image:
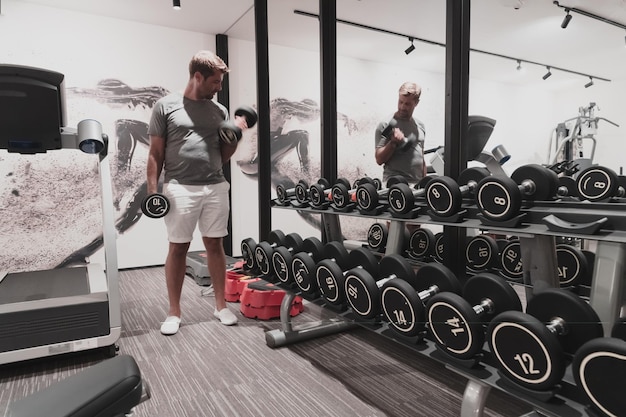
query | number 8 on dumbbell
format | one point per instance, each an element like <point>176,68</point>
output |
<point>500,198</point>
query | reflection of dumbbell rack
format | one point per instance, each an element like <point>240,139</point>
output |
<point>604,222</point>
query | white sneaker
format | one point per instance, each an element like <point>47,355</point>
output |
<point>170,325</point>
<point>225,316</point>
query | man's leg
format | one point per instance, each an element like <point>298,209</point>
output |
<point>216,262</point>
<point>175,267</point>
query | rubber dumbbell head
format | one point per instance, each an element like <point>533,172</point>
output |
<point>404,303</point>
<point>598,367</point>
<point>282,258</point>
<point>229,132</point>
<point>444,196</point>
<point>456,323</point>
<point>362,289</point>
<point>303,266</point>
<point>155,205</point>
<point>421,244</point>
<point>481,253</point>
<point>264,251</point>
<point>320,192</point>
<point>512,267</point>
<point>572,265</point>
<point>598,183</point>
<point>368,196</point>
<point>530,348</point>
<point>377,237</point>
<point>500,198</point>
<point>401,197</point>
<point>343,195</point>
<point>330,276</point>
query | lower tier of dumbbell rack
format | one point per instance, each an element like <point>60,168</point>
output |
<point>567,402</point>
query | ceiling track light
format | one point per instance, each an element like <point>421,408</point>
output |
<point>431,42</point>
<point>566,19</point>
<point>411,47</point>
<point>590,83</point>
<point>547,74</point>
<point>176,4</point>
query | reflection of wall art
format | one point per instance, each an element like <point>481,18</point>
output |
<point>295,145</point>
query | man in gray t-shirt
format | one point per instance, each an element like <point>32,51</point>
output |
<point>185,145</point>
<point>401,152</point>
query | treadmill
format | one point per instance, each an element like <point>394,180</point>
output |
<point>51,312</point>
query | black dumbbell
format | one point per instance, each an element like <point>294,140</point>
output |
<point>567,187</point>
<point>303,266</point>
<point>598,367</point>
<point>404,303</point>
<point>439,247</point>
<point>248,250</point>
<point>264,251</point>
<point>387,132</point>
<point>500,198</point>
<point>457,324</point>
<point>377,235</point>
<point>320,193</point>
<point>444,195</point>
<point>155,205</point>
<point>421,245</point>
<point>598,183</point>
<point>530,348</point>
<point>330,276</point>
<point>299,191</point>
<point>401,197</point>
<point>229,132</point>
<point>572,265</point>
<point>362,289</point>
<point>342,195</point>
<point>511,265</point>
<point>282,257</point>
<point>369,197</point>
<point>482,254</point>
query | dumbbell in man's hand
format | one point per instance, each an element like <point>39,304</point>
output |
<point>155,205</point>
<point>396,135</point>
<point>230,132</point>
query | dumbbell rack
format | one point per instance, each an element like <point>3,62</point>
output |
<point>537,226</point>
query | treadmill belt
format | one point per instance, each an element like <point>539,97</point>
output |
<point>39,285</point>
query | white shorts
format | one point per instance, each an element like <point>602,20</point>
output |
<point>206,206</point>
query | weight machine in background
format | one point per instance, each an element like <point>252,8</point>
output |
<point>50,312</point>
<point>574,140</point>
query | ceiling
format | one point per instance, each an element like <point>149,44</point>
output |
<point>529,30</point>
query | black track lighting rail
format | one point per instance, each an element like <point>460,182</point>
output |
<point>589,14</point>
<point>430,42</point>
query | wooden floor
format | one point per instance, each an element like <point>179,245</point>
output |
<point>208,369</point>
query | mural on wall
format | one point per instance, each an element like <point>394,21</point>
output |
<point>294,152</point>
<point>295,144</point>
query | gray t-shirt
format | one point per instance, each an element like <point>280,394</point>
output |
<point>192,145</point>
<point>408,162</point>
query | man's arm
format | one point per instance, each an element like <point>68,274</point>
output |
<point>156,156</point>
<point>383,153</point>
